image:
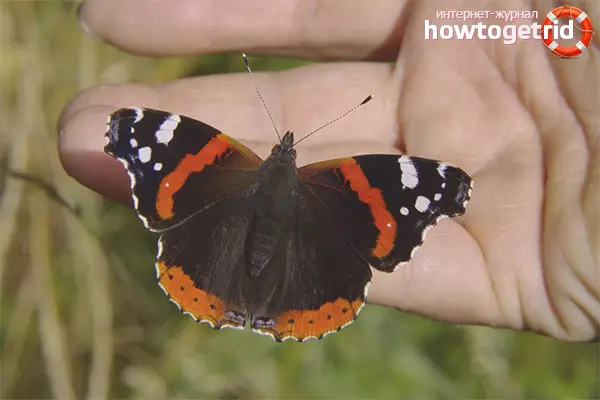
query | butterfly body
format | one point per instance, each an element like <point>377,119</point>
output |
<point>289,249</point>
<point>274,204</point>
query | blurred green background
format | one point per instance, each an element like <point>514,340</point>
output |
<point>82,316</point>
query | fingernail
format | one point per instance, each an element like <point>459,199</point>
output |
<point>81,153</point>
<point>81,20</point>
<point>84,130</point>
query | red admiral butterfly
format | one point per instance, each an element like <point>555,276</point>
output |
<point>291,248</point>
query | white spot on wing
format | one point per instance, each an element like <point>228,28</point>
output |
<point>144,154</point>
<point>166,129</point>
<point>160,248</point>
<point>157,166</point>
<point>133,196</point>
<point>410,177</point>
<point>163,136</point>
<point>404,211</point>
<point>441,169</point>
<point>133,143</point>
<point>422,204</point>
<point>437,196</point>
<point>139,114</point>
<point>156,265</point>
<point>366,294</point>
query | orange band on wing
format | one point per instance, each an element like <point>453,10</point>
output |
<point>202,305</point>
<point>191,163</point>
<point>300,324</point>
<point>383,219</point>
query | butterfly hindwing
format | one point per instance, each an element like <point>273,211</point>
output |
<point>385,204</point>
<point>177,165</point>
<point>324,283</point>
<point>201,263</point>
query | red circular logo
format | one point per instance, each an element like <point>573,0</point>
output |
<point>587,31</point>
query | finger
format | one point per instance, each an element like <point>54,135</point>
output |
<point>303,99</point>
<point>302,28</point>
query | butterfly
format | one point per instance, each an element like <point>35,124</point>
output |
<point>287,249</point>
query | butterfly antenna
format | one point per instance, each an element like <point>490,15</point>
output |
<point>247,64</point>
<point>362,103</point>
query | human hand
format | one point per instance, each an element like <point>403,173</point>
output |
<point>522,122</point>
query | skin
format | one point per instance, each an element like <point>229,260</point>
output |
<point>521,121</point>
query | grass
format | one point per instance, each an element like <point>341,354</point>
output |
<point>82,317</point>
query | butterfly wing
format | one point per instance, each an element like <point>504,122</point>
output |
<point>323,286</point>
<point>201,263</point>
<point>177,165</point>
<point>385,204</point>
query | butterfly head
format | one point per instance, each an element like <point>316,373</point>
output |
<point>285,151</point>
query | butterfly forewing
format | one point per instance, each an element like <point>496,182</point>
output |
<point>385,203</point>
<point>177,165</point>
